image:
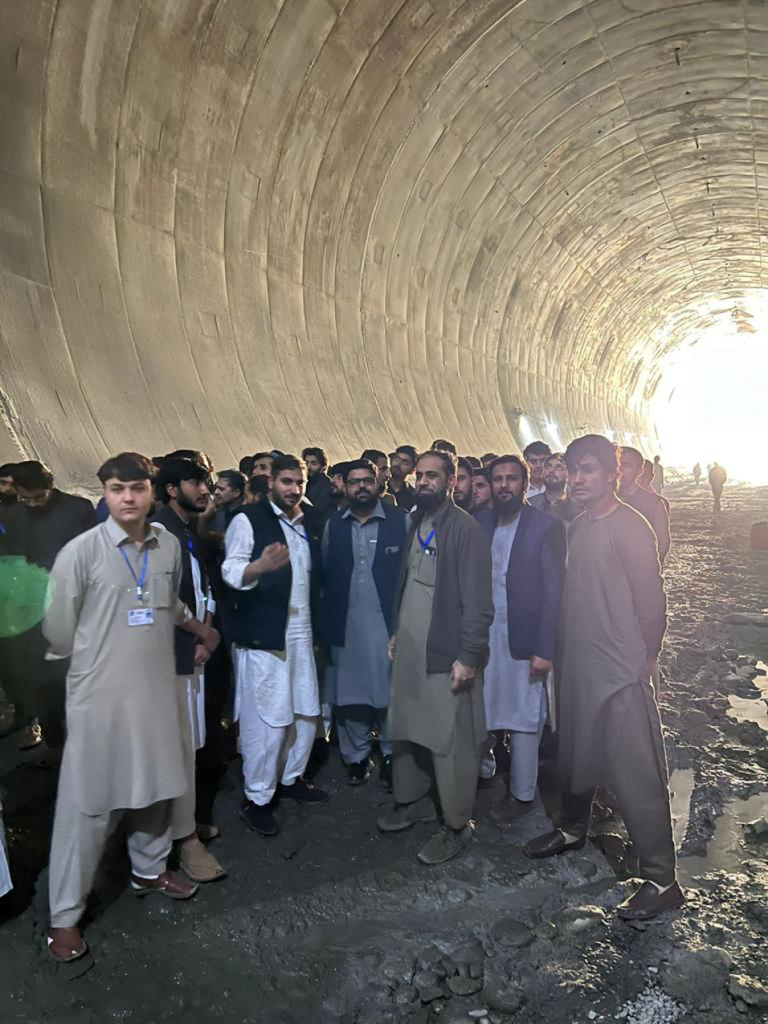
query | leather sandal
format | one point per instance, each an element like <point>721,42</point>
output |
<point>170,884</point>
<point>551,844</point>
<point>647,902</point>
<point>72,953</point>
<point>197,863</point>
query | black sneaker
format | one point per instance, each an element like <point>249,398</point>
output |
<point>385,774</point>
<point>259,818</point>
<point>358,772</point>
<point>302,791</point>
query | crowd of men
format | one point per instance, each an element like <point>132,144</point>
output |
<point>437,612</point>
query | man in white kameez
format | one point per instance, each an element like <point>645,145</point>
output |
<point>272,559</point>
<point>528,559</point>
<point>114,607</point>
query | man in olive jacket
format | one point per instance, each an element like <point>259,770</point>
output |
<point>443,612</point>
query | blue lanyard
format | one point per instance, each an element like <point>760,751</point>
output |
<point>425,543</point>
<point>298,533</point>
<point>138,580</point>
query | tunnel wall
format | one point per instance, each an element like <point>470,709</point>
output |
<point>236,224</point>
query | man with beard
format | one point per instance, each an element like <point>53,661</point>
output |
<point>37,527</point>
<point>402,462</point>
<point>647,503</point>
<point>555,499</point>
<point>114,606</point>
<point>384,473</point>
<point>338,490</point>
<point>481,490</point>
<point>536,454</point>
<point>183,492</point>
<point>273,562</point>
<point>443,611</point>
<point>610,732</point>
<point>362,551</point>
<point>528,565</point>
<point>318,482</point>
<point>462,492</point>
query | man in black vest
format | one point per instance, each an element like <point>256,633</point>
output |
<point>362,550</point>
<point>183,492</point>
<point>272,563</point>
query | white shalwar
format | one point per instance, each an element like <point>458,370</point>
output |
<point>5,872</point>
<point>276,692</point>
<point>513,701</point>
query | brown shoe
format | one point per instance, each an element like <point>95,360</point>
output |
<point>31,736</point>
<point>551,844</point>
<point>197,863</point>
<point>647,902</point>
<point>66,945</point>
<point>171,884</point>
<point>510,809</point>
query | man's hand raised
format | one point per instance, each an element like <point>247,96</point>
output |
<point>273,558</point>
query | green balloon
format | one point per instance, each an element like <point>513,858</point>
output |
<point>25,595</point>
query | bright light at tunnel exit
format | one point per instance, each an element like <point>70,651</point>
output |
<point>711,403</point>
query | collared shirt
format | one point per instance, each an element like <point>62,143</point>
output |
<point>365,537</point>
<point>238,543</point>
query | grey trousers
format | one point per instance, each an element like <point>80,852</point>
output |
<point>355,724</point>
<point>455,774</point>
<point>78,843</point>
<point>637,774</point>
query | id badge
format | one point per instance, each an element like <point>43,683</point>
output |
<point>141,617</point>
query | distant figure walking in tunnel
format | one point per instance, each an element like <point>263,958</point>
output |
<point>717,480</point>
<point>610,731</point>
<point>443,613</point>
<point>697,473</point>
<point>658,475</point>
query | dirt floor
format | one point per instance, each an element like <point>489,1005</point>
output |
<point>333,922</point>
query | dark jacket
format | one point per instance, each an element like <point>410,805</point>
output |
<point>190,543</point>
<point>535,577</point>
<point>338,567</point>
<point>259,616</point>
<point>319,493</point>
<point>462,608</point>
<point>39,534</point>
<point>405,497</point>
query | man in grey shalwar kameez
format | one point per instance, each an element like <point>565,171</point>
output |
<point>115,602</point>
<point>444,612</point>
<point>362,550</point>
<point>610,731</point>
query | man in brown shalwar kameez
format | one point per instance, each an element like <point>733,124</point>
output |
<point>443,611</point>
<point>610,731</point>
<point>114,607</point>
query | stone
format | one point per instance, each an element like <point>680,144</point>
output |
<point>545,930</point>
<point>464,986</point>
<point>749,990</point>
<point>405,995</point>
<point>580,920</point>
<point>510,932</point>
<point>430,993</point>
<point>697,977</point>
<point>505,997</point>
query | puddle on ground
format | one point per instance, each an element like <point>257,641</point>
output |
<point>752,709</point>
<point>681,783</point>
<point>725,851</point>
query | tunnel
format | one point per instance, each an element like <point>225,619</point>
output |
<point>239,224</point>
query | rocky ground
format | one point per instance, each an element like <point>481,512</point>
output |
<point>332,922</point>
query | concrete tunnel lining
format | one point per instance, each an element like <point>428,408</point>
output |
<point>229,224</point>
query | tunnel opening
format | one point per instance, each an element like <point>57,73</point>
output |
<point>709,404</point>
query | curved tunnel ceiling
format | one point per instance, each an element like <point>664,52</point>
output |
<point>233,223</point>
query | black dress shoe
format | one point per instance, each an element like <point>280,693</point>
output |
<point>259,818</point>
<point>302,791</point>
<point>385,774</point>
<point>647,902</point>
<point>358,772</point>
<point>551,844</point>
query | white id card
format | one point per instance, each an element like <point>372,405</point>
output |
<point>141,617</point>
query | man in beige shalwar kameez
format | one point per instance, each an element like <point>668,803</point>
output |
<point>443,613</point>
<point>114,606</point>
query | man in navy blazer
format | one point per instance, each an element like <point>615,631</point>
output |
<point>528,550</point>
